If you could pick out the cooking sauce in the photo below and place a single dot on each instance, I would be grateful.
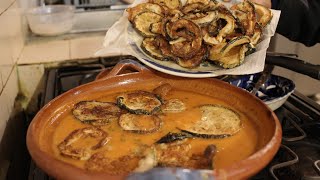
(229, 150)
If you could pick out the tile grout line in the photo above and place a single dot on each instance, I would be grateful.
(7, 8)
(6, 82)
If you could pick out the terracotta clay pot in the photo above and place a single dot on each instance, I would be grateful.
(117, 80)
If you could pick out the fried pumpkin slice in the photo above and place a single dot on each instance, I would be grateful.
(99, 138)
(95, 112)
(143, 21)
(139, 102)
(141, 124)
(171, 4)
(144, 7)
(216, 122)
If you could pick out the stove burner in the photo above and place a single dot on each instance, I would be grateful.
(296, 126)
(316, 166)
(286, 163)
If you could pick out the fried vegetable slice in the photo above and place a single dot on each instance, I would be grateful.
(142, 124)
(224, 25)
(235, 56)
(143, 21)
(216, 122)
(171, 4)
(202, 19)
(156, 28)
(194, 61)
(245, 12)
(198, 1)
(173, 154)
(193, 8)
(144, 7)
(254, 39)
(176, 154)
(95, 112)
(193, 40)
(99, 162)
(264, 14)
(151, 47)
(173, 106)
(67, 149)
(171, 137)
(231, 54)
(139, 102)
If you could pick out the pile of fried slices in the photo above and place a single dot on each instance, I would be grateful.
(197, 30)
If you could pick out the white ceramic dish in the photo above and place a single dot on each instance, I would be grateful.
(51, 20)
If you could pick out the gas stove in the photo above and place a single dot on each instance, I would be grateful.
(297, 158)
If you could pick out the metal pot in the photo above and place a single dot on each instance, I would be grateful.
(267, 125)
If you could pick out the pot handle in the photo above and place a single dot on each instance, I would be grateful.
(120, 69)
(296, 65)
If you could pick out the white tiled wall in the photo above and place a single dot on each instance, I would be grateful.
(11, 45)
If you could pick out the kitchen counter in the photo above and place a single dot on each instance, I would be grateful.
(61, 48)
(85, 38)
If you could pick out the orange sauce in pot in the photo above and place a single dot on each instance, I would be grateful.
(229, 150)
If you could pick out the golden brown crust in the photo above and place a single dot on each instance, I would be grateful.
(143, 21)
(100, 163)
(95, 112)
(66, 146)
(139, 102)
(215, 121)
(144, 7)
(141, 124)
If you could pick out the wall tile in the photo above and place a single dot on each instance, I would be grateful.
(15, 30)
(49, 51)
(4, 4)
(85, 47)
(7, 98)
(6, 62)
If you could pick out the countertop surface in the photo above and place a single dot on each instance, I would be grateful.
(61, 48)
(82, 42)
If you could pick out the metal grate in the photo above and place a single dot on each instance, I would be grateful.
(93, 3)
